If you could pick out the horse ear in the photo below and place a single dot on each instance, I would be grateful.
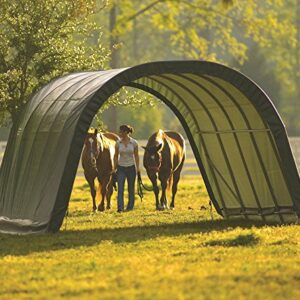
(96, 131)
(159, 147)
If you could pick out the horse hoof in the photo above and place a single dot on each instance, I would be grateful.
(108, 207)
(164, 207)
(100, 208)
(172, 207)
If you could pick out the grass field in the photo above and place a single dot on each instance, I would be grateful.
(144, 254)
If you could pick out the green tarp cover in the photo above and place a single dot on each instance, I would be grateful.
(237, 136)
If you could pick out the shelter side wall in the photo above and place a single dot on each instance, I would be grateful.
(38, 152)
(233, 141)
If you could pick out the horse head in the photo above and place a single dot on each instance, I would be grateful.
(93, 144)
(153, 157)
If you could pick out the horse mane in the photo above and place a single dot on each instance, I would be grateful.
(156, 138)
(111, 135)
(107, 139)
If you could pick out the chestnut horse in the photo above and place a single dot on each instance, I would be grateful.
(98, 162)
(163, 159)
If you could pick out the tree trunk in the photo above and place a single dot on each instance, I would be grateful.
(114, 63)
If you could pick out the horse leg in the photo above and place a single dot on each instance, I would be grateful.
(163, 198)
(155, 190)
(104, 183)
(91, 182)
(176, 177)
(170, 183)
(109, 194)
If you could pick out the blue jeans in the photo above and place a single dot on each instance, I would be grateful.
(122, 174)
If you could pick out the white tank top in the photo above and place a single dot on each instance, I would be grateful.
(126, 153)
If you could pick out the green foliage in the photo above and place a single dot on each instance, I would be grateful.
(278, 36)
(144, 254)
(40, 40)
(144, 112)
(145, 119)
(137, 109)
(258, 68)
(196, 29)
(134, 107)
(127, 96)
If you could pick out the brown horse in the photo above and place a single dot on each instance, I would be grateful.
(98, 162)
(163, 159)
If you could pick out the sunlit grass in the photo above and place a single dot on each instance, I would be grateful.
(145, 254)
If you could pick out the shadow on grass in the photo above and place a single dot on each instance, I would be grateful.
(23, 245)
(79, 199)
(241, 240)
(83, 187)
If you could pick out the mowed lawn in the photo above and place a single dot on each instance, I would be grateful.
(144, 254)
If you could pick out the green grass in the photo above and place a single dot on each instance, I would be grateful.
(144, 254)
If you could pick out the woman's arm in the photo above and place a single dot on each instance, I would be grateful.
(137, 159)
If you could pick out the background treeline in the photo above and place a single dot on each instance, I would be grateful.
(260, 38)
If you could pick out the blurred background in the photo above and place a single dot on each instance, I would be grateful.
(259, 38)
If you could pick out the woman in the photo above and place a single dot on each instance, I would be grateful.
(127, 161)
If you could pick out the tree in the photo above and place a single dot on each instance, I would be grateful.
(283, 51)
(193, 29)
(40, 40)
(258, 68)
(145, 119)
(215, 30)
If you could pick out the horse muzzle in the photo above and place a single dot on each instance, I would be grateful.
(153, 169)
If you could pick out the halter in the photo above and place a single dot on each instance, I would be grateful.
(156, 168)
(92, 152)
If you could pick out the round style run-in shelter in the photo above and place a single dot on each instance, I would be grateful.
(237, 136)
